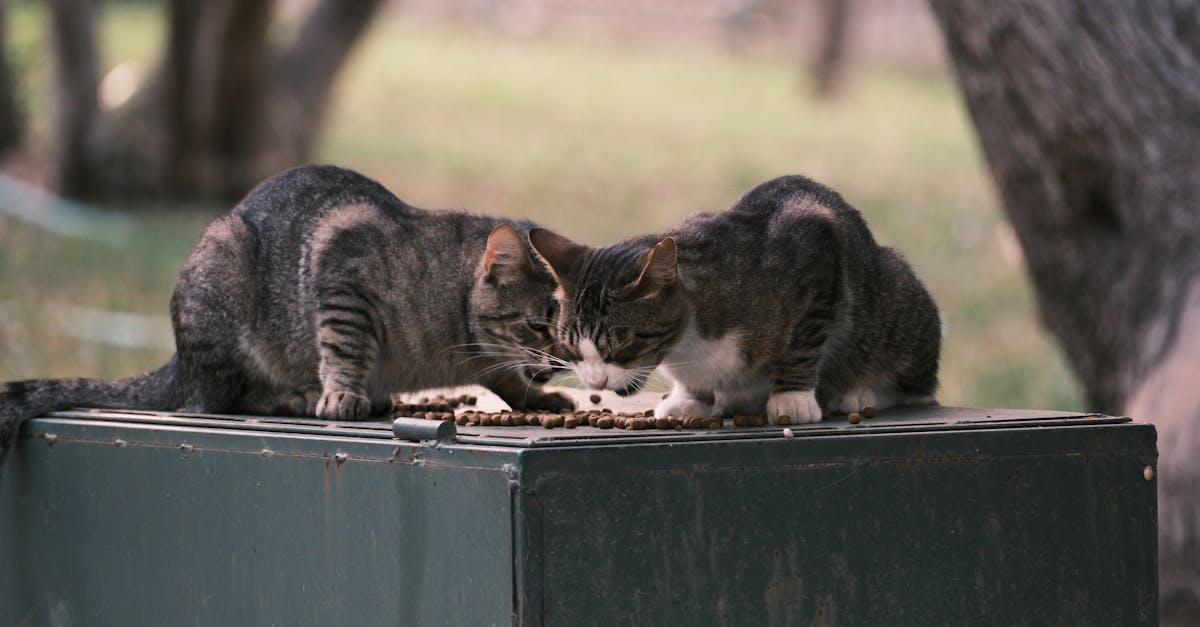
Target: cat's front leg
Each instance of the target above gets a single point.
(793, 372)
(520, 393)
(348, 349)
(800, 406)
(684, 401)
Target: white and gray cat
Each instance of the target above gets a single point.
(781, 305)
(321, 294)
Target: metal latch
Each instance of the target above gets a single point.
(416, 430)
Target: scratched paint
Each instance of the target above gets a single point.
(920, 518)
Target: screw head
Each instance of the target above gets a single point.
(186, 448)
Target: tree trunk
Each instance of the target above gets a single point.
(224, 110)
(305, 71)
(1088, 112)
(213, 94)
(10, 115)
(829, 65)
(72, 24)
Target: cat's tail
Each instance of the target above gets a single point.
(22, 400)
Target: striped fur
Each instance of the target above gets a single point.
(782, 305)
(321, 294)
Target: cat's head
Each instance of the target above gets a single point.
(621, 308)
(513, 307)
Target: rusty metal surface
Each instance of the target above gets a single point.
(1036, 526)
(896, 420)
(916, 517)
(128, 523)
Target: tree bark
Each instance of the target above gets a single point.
(213, 84)
(223, 111)
(829, 65)
(1088, 112)
(72, 23)
(10, 115)
(305, 71)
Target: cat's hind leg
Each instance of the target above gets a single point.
(750, 400)
(860, 398)
(271, 400)
(209, 310)
(209, 364)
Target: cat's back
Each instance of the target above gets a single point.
(773, 227)
(259, 254)
(794, 204)
(295, 199)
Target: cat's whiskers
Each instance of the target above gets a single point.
(518, 359)
(553, 359)
(507, 367)
(487, 350)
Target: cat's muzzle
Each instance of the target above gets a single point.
(539, 374)
(635, 384)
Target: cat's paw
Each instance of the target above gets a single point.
(343, 405)
(295, 403)
(800, 407)
(859, 399)
(682, 406)
(547, 401)
(742, 402)
(303, 401)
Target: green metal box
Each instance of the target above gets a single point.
(930, 516)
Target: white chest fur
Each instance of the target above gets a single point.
(708, 364)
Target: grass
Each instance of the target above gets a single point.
(599, 142)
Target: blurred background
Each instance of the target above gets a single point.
(600, 119)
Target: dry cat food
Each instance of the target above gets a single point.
(595, 399)
(442, 408)
(438, 405)
(856, 417)
(600, 419)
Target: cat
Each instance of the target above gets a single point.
(782, 305)
(321, 294)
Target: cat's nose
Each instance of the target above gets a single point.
(596, 379)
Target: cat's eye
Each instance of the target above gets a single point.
(653, 334)
(538, 327)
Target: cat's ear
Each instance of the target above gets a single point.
(505, 260)
(556, 252)
(660, 270)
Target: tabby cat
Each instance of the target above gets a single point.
(782, 305)
(321, 294)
